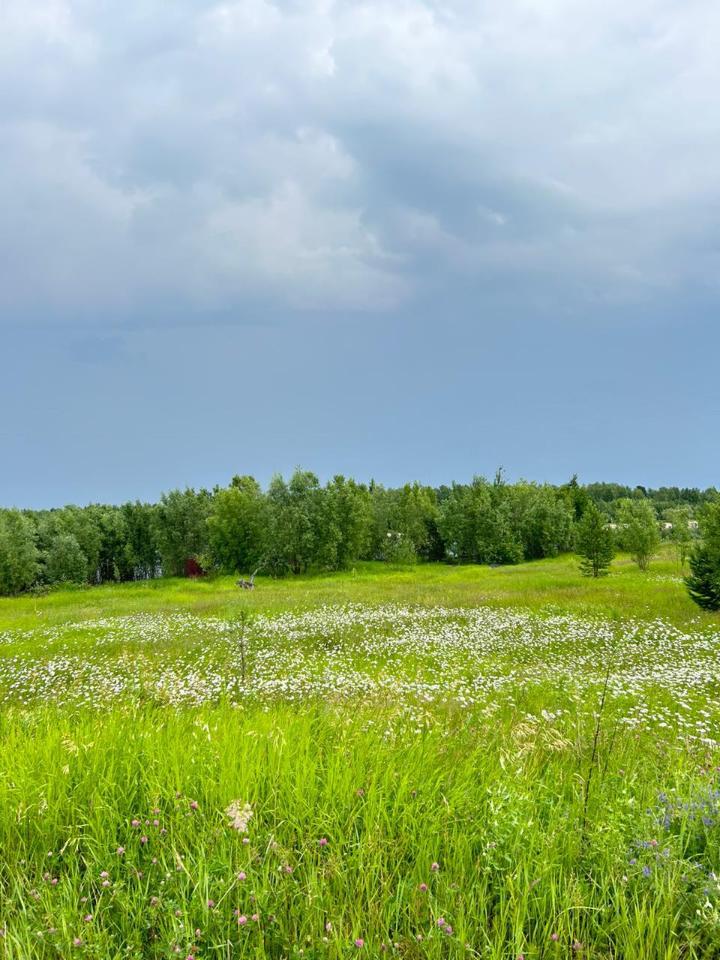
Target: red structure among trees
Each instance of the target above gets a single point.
(193, 568)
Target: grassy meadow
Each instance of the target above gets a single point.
(436, 762)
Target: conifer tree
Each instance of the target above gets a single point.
(704, 581)
(594, 543)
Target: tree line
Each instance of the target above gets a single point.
(299, 524)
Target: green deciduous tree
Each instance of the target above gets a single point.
(466, 522)
(680, 533)
(541, 518)
(502, 523)
(406, 523)
(298, 525)
(82, 523)
(503, 536)
(594, 543)
(236, 530)
(350, 506)
(639, 533)
(414, 515)
(141, 558)
(84, 526)
(181, 530)
(301, 530)
(112, 555)
(19, 556)
(65, 562)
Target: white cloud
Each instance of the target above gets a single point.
(311, 257)
(339, 155)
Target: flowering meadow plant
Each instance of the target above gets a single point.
(664, 677)
(398, 780)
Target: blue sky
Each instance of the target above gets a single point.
(400, 239)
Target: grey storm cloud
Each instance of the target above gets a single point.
(351, 156)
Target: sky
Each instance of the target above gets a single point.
(385, 238)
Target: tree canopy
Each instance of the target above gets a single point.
(299, 524)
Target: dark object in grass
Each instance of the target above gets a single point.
(247, 584)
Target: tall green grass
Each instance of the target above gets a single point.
(497, 806)
(450, 833)
(553, 584)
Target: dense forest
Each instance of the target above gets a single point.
(299, 524)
